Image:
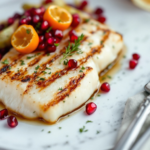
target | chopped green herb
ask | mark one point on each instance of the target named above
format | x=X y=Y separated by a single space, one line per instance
x=80 y=71
x=89 y=121
x=49 y=131
x=48 y=68
x=35 y=71
x=56 y=73
x=59 y=20
x=34 y=112
x=101 y=42
x=98 y=95
x=103 y=78
x=109 y=77
x=49 y=29
x=49 y=73
x=83 y=68
x=56 y=44
x=29 y=57
x=5 y=62
x=98 y=132
x=42 y=79
x=90 y=44
x=42 y=130
x=113 y=46
x=87 y=20
x=60 y=127
x=82 y=129
x=124 y=56
x=71 y=49
x=22 y=62
x=66 y=62
x=28 y=31
x=44 y=72
x=37 y=67
x=63 y=101
x=37 y=26
x=48 y=54
x=38 y=53
x=9 y=67
x=60 y=89
x=59 y=74
x=92 y=98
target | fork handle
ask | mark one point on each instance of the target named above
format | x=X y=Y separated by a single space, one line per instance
x=130 y=135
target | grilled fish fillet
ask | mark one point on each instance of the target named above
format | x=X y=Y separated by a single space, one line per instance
x=36 y=85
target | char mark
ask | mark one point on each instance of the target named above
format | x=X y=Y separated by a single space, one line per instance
x=4 y=69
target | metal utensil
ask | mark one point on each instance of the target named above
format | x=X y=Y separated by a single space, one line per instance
x=130 y=135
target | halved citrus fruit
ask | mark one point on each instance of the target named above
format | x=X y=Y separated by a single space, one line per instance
x=144 y=4
x=25 y=39
x=58 y=17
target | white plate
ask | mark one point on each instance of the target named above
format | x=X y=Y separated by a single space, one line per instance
x=134 y=24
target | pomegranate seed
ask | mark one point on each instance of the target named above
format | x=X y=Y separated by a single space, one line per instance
x=73 y=37
x=51 y=48
x=48 y=35
x=0 y=56
x=72 y=63
x=136 y=56
x=41 y=38
x=12 y=121
x=17 y=16
x=36 y=11
x=132 y=64
x=83 y=5
x=105 y=87
x=72 y=32
x=76 y=20
x=44 y=25
x=91 y=108
x=48 y=1
x=1 y=27
x=3 y=114
x=36 y=19
x=10 y=21
x=50 y=41
x=56 y=40
x=29 y=19
x=101 y=19
x=42 y=46
x=42 y=10
x=23 y=21
x=98 y=11
x=58 y=33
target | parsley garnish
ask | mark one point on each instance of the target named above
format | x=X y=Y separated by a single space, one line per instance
x=48 y=54
x=71 y=49
x=89 y=121
x=98 y=95
x=49 y=73
x=59 y=127
x=42 y=130
x=35 y=71
x=5 y=62
x=37 y=67
x=22 y=62
x=44 y=72
x=82 y=129
x=109 y=77
x=87 y=20
x=42 y=79
x=28 y=31
x=49 y=131
x=98 y=132
x=83 y=68
x=56 y=44
x=90 y=44
x=92 y=98
x=80 y=71
x=48 y=68
x=49 y=29
x=60 y=89
x=9 y=67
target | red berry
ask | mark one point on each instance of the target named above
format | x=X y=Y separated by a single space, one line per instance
x=42 y=46
x=1 y=27
x=98 y=11
x=83 y=5
x=44 y=25
x=91 y=108
x=132 y=64
x=58 y=33
x=41 y=38
x=101 y=19
x=72 y=63
x=136 y=56
x=36 y=19
x=37 y=11
x=17 y=16
x=29 y=19
x=48 y=35
x=72 y=32
x=10 y=21
x=23 y=21
x=42 y=10
x=76 y=20
x=50 y=41
x=51 y=48
x=3 y=114
x=56 y=40
x=105 y=87
x=0 y=56
x=12 y=121
x=48 y=1
x=73 y=37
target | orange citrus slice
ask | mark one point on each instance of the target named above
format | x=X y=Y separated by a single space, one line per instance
x=25 y=39
x=58 y=17
x=144 y=4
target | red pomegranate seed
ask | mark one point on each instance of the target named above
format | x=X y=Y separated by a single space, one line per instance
x=29 y=19
x=98 y=11
x=42 y=46
x=83 y=5
x=76 y=20
x=105 y=87
x=3 y=114
x=73 y=37
x=37 y=11
x=72 y=63
x=36 y=19
x=136 y=56
x=58 y=33
x=44 y=25
x=72 y=32
x=51 y=48
x=23 y=21
x=91 y=108
x=50 y=41
x=56 y=40
x=10 y=21
x=41 y=38
x=12 y=121
x=48 y=35
x=17 y=16
x=132 y=64
x=1 y=27
x=48 y=1
x=42 y=10
x=0 y=56
x=101 y=19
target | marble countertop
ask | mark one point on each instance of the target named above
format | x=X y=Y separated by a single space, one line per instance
x=134 y=24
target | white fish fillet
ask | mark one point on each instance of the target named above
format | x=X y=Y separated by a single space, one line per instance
x=50 y=96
